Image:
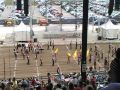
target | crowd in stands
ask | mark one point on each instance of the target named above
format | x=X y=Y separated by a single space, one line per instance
x=70 y=81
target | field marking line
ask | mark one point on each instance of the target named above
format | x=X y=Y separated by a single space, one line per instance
x=37 y=70
x=15 y=66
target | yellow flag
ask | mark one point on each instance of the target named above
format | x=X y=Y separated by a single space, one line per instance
x=56 y=51
x=88 y=53
x=75 y=55
x=68 y=54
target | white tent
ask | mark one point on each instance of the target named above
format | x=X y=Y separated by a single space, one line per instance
x=109 y=25
x=109 y=30
x=22 y=32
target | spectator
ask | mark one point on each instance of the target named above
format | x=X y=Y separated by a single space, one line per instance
x=64 y=88
x=49 y=75
x=112 y=86
x=58 y=87
x=75 y=81
x=89 y=87
x=50 y=86
x=24 y=83
x=71 y=86
x=114 y=72
x=93 y=82
x=8 y=87
x=77 y=88
x=2 y=85
x=14 y=84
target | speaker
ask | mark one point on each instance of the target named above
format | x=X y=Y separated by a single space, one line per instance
x=26 y=7
x=19 y=5
x=117 y=4
x=110 y=9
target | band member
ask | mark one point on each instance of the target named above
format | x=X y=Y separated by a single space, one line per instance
x=53 y=60
x=50 y=42
x=113 y=51
x=105 y=63
x=109 y=50
x=90 y=58
x=93 y=58
x=55 y=55
x=26 y=51
x=95 y=65
x=58 y=70
x=76 y=45
x=79 y=57
x=23 y=53
x=36 y=52
x=71 y=45
x=95 y=53
x=101 y=54
x=53 y=45
x=29 y=47
x=48 y=46
x=98 y=56
x=40 y=47
x=17 y=46
x=80 y=47
x=90 y=49
x=41 y=62
x=15 y=53
x=68 y=59
x=91 y=68
x=95 y=47
x=28 y=59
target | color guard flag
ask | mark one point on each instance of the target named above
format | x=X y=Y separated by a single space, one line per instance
x=88 y=53
x=75 y=55
x=68 y=54
x=56 y=51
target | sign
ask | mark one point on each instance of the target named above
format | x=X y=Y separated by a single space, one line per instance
x=84 y=67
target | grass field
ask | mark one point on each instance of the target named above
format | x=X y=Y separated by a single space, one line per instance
x=10 y=67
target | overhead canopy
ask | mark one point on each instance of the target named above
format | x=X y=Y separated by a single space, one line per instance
x=109 y=25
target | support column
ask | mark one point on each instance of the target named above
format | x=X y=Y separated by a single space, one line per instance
x=84 y=39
